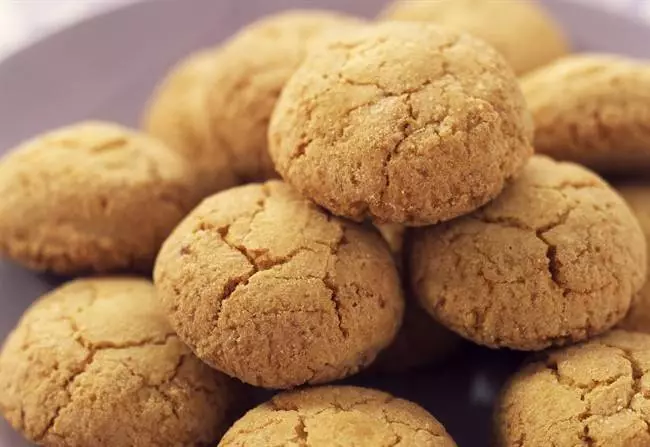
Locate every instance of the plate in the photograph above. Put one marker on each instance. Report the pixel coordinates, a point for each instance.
(107, 66)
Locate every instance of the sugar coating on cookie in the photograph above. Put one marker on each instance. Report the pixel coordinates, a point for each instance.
(594, 110)
(337, 415)
(215, 106)
(592, 394)
(638, 198)
(91, 197)
(403, 123)
(268, 288)
(519, 29)
(95, 362)
(556, 258)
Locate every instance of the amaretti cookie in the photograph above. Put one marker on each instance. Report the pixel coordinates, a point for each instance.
(215, 106)
(594, 110)
(95, 362)
(337, 415)
(268, 288)
(519, 29)
(91, 197)
(638, 198)
(592, 394)
(556, 258)
(403, 123)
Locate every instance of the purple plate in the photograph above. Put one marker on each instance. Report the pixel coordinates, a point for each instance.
(107, 66)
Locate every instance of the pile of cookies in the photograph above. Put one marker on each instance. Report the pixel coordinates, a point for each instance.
(322, 196)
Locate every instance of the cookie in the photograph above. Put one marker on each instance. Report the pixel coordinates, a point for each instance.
(337, 415)
(519, 29)
(594, 110)
(215, 106)
(638, 198)
(268, 288)
(91, 197)
(177, 114)
(95, 362)
(554, 259)
(402, 123)
(592, 394)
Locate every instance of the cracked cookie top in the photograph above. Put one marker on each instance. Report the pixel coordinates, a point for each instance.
(267, 287)
(337, 415)
(556, 258)
(95, 362)
(90, 197)
(594, 110)
(638, 197)
(519, 29)
(593, 395)
(404, 123)
(215, 106)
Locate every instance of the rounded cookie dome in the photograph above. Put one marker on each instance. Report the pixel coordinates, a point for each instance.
(95, 362)
(556, 258)
(593, 110)
(519, 29)
(337, 415)
(403, 123)
(266, 287)
(222, 98)
(589, 394)
(91, 197)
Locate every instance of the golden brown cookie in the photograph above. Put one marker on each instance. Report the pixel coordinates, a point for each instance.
(638, 198)
(178, 115)
(594, 110)
(520, 29)
(344, 416)
(90, 197)
(95, 363)
(554, 259)
(268, 288)
(214, 107)
(403, 123)
(593, 394)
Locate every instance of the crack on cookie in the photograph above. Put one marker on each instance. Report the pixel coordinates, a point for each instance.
(301, 431)
(92, 350)
(361, 207)
(67, 389)
(584, 390)
(554, 264)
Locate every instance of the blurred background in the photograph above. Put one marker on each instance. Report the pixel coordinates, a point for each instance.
(22, 21)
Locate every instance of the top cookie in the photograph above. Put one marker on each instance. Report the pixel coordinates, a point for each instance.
(342, 416)
(519, 29)
(215, 106)
(594, 110)
(91, 197)
(405, 123)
